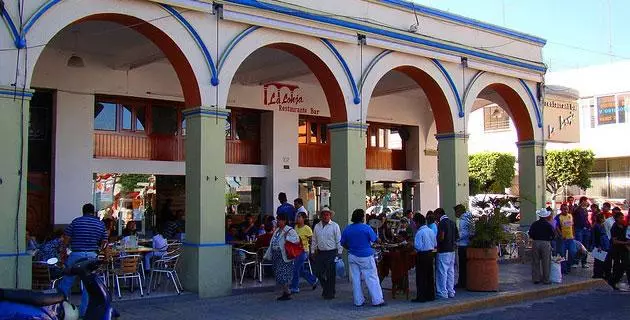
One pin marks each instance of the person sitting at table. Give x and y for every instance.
(159, 248)
(110, 227)
(52, 249)
(231, 237)
(264, 240)
(130, 229)
(248, 227)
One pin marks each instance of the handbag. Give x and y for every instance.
(293, 250)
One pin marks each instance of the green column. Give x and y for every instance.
(531, 179)
(453, 170)
(347, 169)
(207, 259)
(14, 119)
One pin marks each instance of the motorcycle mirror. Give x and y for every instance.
(52, 261)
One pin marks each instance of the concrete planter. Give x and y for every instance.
(482, 272)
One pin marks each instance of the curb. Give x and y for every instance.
(495, 301)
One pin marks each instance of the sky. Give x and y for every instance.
(579, 33)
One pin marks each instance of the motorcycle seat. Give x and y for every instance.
(29, 297)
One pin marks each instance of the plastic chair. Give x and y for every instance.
(167, 265)
(126, 267)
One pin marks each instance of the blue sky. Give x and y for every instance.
(579, 33)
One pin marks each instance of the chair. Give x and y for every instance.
(174, 248)
(42, 279)
(126, 267)
(262, 263)
(243, 259)
(167, 265)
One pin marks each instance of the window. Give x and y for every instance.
(606, 110)
(105, 116)
(243, 124)
(312, 130)
(495, 119)
(164, 120)
(385, 137)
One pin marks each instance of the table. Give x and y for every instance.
(138, 250)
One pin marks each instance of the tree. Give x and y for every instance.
(566, 168)
(128, 182)
(490, 172)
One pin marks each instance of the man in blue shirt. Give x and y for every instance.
(86, 236)
(357, 238)
(465, 232)
(581, 226)
(286, 209)
(425, 244)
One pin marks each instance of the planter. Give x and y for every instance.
(482, 272)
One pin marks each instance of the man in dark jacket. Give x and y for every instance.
(582, 226)
(542, 233)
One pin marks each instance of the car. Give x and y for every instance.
(481, 204)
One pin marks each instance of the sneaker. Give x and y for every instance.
(359, 305)
(382, 304)
(451, 295)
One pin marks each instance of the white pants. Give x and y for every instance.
(365, 267)
(445, 280)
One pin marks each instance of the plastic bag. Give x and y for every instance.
(340, 267)
(555, 275)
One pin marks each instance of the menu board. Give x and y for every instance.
(606, 110)
(623, 101)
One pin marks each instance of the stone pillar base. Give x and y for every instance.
(207, 269)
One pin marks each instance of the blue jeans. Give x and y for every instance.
(567, 245)
(66, 283)
(584, 237)
(299, 270)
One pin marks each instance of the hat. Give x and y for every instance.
(543, 213)
(326, 209)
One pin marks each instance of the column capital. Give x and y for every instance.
(8, 92)
(355, 126)
(451, 136)
(531, 143)
(206, 112)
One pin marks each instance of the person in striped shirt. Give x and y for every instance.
(86, 235)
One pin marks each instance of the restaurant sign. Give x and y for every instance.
(562, 122)
(286, 98)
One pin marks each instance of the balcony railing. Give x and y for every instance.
(318, 155)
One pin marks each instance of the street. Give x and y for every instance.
(592, 304)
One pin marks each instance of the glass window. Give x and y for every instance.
(606, 110)
(372, 137)
(140, 118)
(105, 116)
(495, 118)
(127, 113)
(381, 138)
(313, 128)
(183, 126)
(301, 131)
(246, 126)
(324, 134)
(164, 120)
(394, 141)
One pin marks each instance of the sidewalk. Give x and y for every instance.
(515, 286)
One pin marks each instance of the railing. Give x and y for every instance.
(385, 159)
(165, 148)
(314, 155)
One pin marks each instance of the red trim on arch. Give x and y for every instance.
(332, 90)
(437, 99)
(517, 110)
(175, 56)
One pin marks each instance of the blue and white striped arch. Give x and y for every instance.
(346, 69)
(451, 84)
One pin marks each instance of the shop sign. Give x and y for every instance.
(562, 123)
(606, 110)
(286, 98)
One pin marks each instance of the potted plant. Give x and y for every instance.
(482, 253)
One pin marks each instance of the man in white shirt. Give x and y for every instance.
(298, 203)
(325, 248)
(425, 243)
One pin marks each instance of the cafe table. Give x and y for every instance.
(137, 250)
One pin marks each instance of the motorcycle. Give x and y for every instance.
(52, 304)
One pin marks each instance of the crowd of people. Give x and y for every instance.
(573, 233)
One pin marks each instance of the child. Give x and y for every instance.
(601, 242)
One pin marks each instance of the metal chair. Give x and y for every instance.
(126, 267)
(41, 278)
(262, 263)
(243, 259)
(167, 265)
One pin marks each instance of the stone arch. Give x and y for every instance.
(428, 77)
(518, 102)
(312, 51)
(166, 33)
